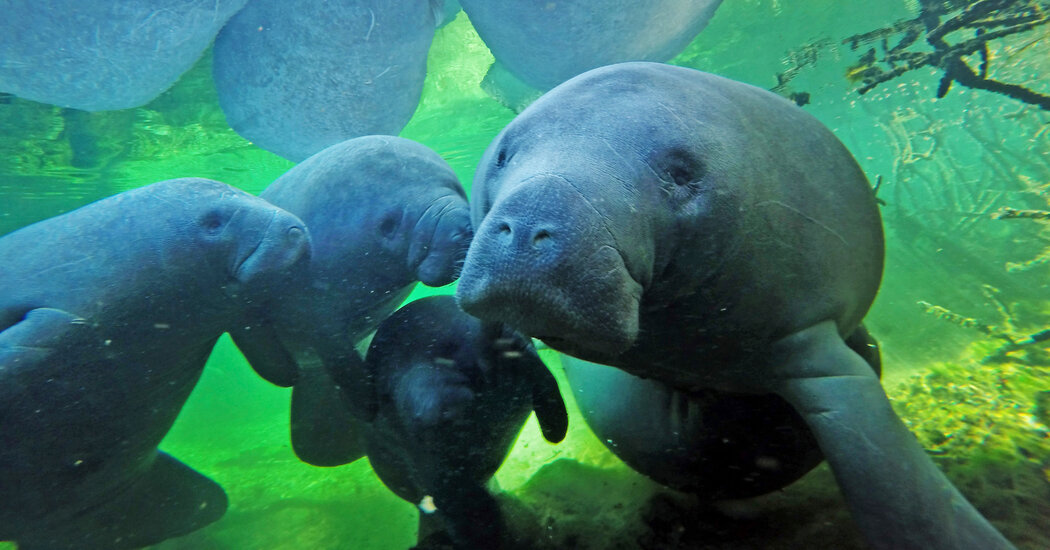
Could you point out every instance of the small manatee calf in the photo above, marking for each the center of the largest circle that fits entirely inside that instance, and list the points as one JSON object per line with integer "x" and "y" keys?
{"x": 453, "y": 394}
{"x": 296, "y": 76}
{"x": 384, "y": 213}
{"x": 710, "y": 235}
{"x": 107, "y": 316}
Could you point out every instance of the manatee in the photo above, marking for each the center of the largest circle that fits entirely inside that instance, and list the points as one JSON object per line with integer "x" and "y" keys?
{"x": 712, "y": 236}
{"x": 384, "y": 213}
{"x": 444, "y": 11}
{"x": 714, "y": 444}
{"x": 107, "y": 315}
{"x": 453, "y": 394}
{"x": 98, "y": 56}
{"x": 543, "y": 44}
{"x": 296, "y": 76}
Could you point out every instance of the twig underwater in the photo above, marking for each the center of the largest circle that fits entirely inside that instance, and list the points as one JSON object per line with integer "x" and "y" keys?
{"x": 936, "y": 22}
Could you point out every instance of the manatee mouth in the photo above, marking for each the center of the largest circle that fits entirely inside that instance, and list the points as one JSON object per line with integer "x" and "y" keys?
{"x": 242, "y": 264}
{"x": 238, "y": 270}
{"x": 282, "y": 244}
{"x": 590, "y": 314}
{"x": 440, "y": 248}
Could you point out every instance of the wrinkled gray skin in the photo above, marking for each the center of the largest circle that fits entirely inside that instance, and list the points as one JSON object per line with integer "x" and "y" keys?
{"x": 530, "y": 38}
{"x": 453, "y": 395}
{"x": 97, "y": 56}
{"x": 384, "y": 213}
{"x": 712, "y": 236}
{"x": 107, "y": 316}
{"x": 295, "y": 76}
{"x": 714, "y": 444}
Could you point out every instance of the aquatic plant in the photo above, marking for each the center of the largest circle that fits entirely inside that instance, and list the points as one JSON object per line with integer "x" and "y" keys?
{"x": 986, "y": 428}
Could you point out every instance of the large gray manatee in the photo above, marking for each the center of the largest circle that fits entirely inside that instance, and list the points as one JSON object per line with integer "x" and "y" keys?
{"x": 543, "y": 44}
{"x": 107, "y": 316}
{"x": 453, "y": 394}
{"x": 710, "y": 235}
{"x": 97, "y": 56}
{"x": 384, "y": 213}
{"x": 295, "y": 76}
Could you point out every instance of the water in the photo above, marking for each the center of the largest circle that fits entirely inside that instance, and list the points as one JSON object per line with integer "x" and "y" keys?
{"x": 946, "y": 165}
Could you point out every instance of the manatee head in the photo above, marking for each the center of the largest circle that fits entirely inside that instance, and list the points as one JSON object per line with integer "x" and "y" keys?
{"x": 383, "y": 212}
{"x": 580, "y": 206}
{"x": 244, "y": 240}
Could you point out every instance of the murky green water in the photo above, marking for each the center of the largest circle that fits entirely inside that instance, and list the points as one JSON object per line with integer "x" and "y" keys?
{"x": 946, "y": 165}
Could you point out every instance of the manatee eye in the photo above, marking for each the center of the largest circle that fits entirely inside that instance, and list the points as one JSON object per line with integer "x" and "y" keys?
{"x": 389, "y": 224}
{"x": 683, "y": 168}
{"x": 213, "y": 221}
{"x": 501, "y": 158}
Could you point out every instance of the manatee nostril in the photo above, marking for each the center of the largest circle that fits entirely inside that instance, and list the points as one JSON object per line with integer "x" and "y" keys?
{"x": 541, "y": 237}
{"x": 504, "y": 228}
{"x": 295, "y": 235}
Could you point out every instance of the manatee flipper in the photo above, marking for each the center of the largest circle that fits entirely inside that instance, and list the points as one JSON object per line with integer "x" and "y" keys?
{"x": 501, "y": 345}
{"x": 31, "y": 341}
{"x": 261, "y": 346}
{"x": 324, "y": 432}
{"x": 547, "y": 402}
{"x": 168, "y": 500}
{"x": 35, "y": 336}
{"x": 864, "y": 344}
{"x": 897, "y": 496}
{"x": 506, "y": 88}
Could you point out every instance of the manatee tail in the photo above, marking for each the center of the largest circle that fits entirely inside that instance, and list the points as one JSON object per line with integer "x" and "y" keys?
{"x": 169, "y": 500}
{"x": 897, "y": 496}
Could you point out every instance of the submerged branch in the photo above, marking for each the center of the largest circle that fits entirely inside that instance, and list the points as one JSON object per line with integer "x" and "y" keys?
{"x": 987, "y": 19}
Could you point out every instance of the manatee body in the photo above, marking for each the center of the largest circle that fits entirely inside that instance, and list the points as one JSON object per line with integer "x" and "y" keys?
{"x": 444, "y": 11}
{"x": 714, "y": 444}
{"x": 384, "y": 213}
{"x": 295, "y": 76}
{"x": 713, "y": 236}
{"x": 97, "y": 56}
{"x": 107, "y": 315}
{"x": 453, "y": 395}
{"x": 543, "y": 44}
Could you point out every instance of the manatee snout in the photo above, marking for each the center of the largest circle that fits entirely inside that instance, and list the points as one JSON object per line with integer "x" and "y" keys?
{"x": 442, "y": 242}
{"x": 544, "y": 262}
{"x": 284, "y": 243}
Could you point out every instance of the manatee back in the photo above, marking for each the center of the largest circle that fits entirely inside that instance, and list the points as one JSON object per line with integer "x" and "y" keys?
{"x": 531, "y": 38}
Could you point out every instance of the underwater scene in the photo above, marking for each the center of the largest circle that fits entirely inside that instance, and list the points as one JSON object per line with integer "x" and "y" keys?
{"x": 605, "y": 275}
